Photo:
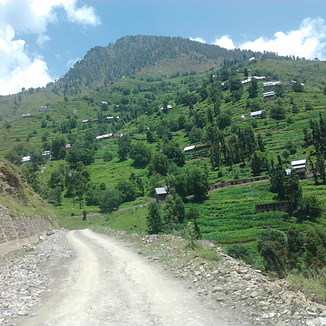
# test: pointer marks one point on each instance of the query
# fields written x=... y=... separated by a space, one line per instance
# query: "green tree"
x=58 y=150
x=107 y=156
x=315 y=247
x=193 y=216
x=110 y=200
x=140 y=154
x=224 y=120
x=273 y=247
x=195 y=135
x=76 y=182
x=174 y=153
x=258 y=163
x=296 y=246
x=253 y=88
x=277 y=113
x=57 y=178
x=260 y=143
x=150 y=136
x=240 y=252
x=124 y=146
x=174 y=211
x=318 y=135
x=159 y=163
x=292 y=192
x=154 y=218
x=309 y=210
x=127 y=190
x=234 y=84
x=77 y=154
x=277 y=176
x=298 y=87
x=197 y=183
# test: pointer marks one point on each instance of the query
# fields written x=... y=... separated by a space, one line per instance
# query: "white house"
x=256 y=114
x=26 y=159
x=161 y=193
x=106 y=136
x=299 y=164
x=300 y=167
x=189 y=148
x=269 y=96
x=271 y=85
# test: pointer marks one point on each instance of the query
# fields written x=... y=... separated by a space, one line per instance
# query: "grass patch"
x=314 y=285
x=206 y=253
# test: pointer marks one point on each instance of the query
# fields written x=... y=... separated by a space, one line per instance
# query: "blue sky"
x=41 y=39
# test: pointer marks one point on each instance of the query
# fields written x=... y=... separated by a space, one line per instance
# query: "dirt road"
x=109 y=284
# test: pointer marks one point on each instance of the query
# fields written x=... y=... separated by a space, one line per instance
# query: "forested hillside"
x=129 y=55
x=236 y=139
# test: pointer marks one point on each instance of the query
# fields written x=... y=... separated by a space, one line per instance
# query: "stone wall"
x=15 y=231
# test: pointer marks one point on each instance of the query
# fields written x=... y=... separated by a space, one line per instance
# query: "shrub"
x=239 y=252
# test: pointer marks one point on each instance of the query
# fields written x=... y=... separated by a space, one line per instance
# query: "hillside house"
x=26 y=115
x=271 y=85
x=112 y=119
x=106 y=136
x=256 y=114
x=26 y=159
x=269 y=96
x=189 y=148
x=300 y=167
x=160 y=194
x=43 y=108
x=166 y=108
x=250 y=78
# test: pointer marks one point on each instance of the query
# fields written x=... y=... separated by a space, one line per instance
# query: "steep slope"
x=22 y=213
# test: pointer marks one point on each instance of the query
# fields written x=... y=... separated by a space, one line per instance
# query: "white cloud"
x=84 y=15
x=197 y=39
x=71 y=62
x=225 y=42
x=41 y=39
x=308 y=41
x=18 y=68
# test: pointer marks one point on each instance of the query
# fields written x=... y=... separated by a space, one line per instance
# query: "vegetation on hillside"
x=145 y=121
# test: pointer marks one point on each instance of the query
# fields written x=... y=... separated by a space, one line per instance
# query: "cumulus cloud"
x=19 y=68
x=225 y=42
x=308 y=41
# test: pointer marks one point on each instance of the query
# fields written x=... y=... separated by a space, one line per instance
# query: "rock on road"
x=107 y=283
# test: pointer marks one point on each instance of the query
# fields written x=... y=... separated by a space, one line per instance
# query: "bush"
x=240 y=252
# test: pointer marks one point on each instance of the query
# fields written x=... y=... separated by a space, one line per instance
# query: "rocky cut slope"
x=23 y=215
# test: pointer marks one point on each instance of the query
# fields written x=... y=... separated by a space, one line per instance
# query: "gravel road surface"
x=106 y=283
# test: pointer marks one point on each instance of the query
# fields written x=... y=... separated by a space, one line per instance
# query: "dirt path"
x=109 y=284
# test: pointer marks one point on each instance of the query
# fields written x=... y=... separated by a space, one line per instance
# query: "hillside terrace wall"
x=16 y=231
x=223 y=184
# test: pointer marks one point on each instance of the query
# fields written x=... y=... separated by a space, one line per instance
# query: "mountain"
x=132 y=55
